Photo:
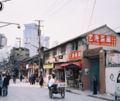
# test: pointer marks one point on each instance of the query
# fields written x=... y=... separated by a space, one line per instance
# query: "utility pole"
x=39 y=49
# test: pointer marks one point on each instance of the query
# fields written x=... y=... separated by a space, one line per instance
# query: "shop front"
x=69 y=72
x=47 y=71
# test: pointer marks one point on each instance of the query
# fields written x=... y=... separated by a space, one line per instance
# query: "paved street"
x=26 y=92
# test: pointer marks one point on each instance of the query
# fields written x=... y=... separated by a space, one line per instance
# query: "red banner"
x=74 y=55
x=102 y=39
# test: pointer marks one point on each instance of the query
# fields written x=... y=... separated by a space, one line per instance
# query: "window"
x=47 y=55
x=27 y=54
x=75 y=45
x=54 y=52
x=63 y=49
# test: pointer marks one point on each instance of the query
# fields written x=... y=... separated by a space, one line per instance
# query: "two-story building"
x=83 y=57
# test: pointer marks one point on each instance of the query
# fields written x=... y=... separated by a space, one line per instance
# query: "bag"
x=4 y=91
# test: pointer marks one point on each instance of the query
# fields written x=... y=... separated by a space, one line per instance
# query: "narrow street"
x=26 y=92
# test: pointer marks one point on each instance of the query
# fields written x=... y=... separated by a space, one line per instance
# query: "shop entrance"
x=72 y=75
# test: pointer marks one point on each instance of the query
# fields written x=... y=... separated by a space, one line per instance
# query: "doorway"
x=94 y=71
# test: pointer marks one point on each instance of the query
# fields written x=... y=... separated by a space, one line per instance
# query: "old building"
x=81 y=58
x=16 y=56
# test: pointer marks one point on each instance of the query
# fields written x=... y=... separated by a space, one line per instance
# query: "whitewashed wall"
x=111 y=78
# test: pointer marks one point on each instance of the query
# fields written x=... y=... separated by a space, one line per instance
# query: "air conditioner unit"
x=60 y=56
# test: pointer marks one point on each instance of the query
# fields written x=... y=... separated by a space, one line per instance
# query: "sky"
x=61 y=19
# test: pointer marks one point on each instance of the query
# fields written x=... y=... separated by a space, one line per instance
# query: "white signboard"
x=112 y=59
x=111 y=78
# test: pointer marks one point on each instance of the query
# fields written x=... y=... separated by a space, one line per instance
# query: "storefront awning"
x=64 y=65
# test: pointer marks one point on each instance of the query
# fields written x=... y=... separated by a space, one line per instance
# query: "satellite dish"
x=1 y=6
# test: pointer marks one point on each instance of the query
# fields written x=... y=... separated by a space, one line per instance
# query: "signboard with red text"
x=74 y=55
x=102 y=39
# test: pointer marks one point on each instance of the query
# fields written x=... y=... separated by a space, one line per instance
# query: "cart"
x=58 y=88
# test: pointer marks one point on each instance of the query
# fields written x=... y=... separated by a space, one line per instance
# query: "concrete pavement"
x=107 y=97
x=70 y=90
x=22 y=91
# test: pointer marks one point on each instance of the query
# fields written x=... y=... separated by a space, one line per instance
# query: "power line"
x=50 y=7
x=91 y=16
x=60 y=8
x=85 y=10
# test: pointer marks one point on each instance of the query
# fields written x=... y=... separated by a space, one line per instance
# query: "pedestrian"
x=6 y=83
x=21 y=77
x=14 y=78
x=30 y=79
x=1 y=83
x=94 y=85
x=41 y=80
x=49 y=77
x=33 y=79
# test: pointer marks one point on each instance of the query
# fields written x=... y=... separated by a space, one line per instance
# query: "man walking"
x=6 y=83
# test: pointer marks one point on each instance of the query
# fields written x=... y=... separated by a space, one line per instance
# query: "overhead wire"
x=59 y=8
x=51 y=7
x=84 y=12
x=91 y=16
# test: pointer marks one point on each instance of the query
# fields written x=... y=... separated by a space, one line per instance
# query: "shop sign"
x=48 y=66
x=102 y=39
x=74 y=55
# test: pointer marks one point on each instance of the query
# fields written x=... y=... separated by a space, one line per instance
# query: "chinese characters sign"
x=102 y=39
x=74 y=55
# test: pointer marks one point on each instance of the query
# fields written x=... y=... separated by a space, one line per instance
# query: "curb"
x=70 y=91
x=107 y=99
x=97 y=97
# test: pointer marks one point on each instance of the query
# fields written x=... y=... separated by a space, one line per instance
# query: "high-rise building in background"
x=31 y=38
x=3 y=40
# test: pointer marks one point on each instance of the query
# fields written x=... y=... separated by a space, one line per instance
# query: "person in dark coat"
x=41 y=81
x=21 y=77
x=14 y=78
x=94 y=85
x=6 y=82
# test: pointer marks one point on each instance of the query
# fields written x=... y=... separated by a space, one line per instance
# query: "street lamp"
x=5 y=24
x=9 y=23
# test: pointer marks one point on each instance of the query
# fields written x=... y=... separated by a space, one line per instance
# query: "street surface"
x=22 y=91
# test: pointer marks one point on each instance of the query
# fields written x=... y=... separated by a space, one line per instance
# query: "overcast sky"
x=62 y=19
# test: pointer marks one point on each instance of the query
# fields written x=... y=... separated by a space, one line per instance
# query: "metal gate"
x=94 y=71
